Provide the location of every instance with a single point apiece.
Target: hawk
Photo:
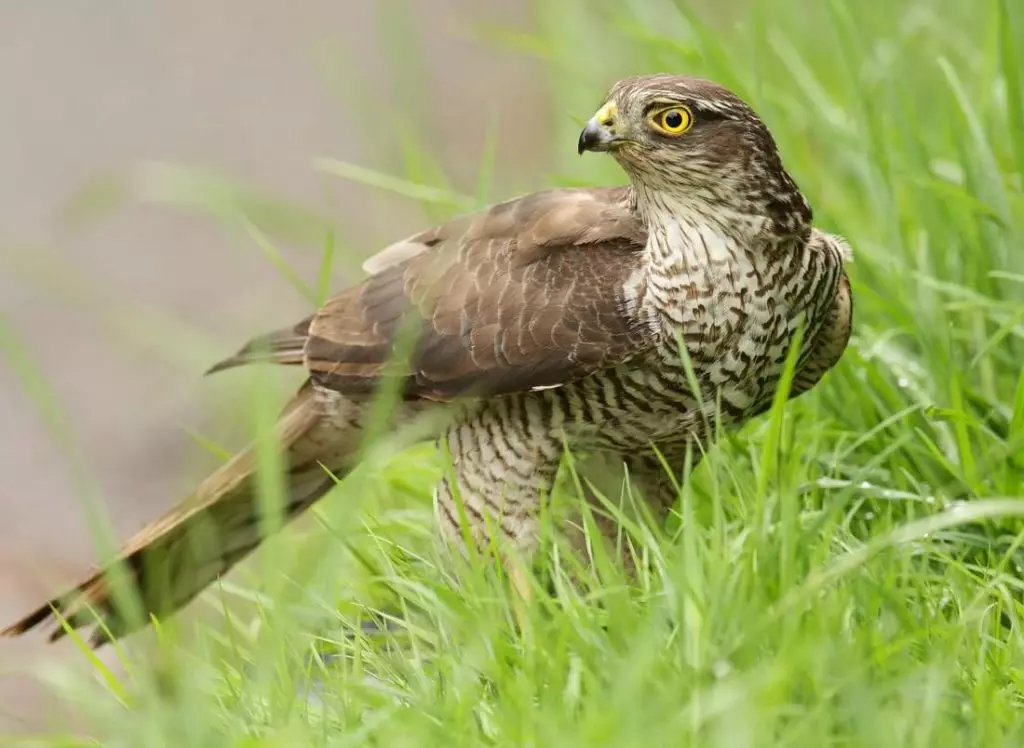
(558, 318)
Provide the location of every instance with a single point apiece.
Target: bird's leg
(653, 488)
(658, 476)
(504, 462)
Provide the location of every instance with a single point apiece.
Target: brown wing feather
(285, 346)
(525, 295)
(831, 341)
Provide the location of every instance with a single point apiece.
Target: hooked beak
(600, 133)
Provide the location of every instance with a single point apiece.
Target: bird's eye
(674, 121)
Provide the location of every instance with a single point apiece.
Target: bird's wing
(823, 351)
(284, 346)
(527, 294)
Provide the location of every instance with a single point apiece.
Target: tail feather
(175, 557)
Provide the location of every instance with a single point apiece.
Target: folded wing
(525, 295)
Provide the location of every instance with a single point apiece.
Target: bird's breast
(729, 319)
(724, 317)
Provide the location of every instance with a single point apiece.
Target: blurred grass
(856, 584)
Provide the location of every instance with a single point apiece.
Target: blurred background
(173, 174)
(121, 313)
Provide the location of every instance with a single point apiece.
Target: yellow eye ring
(674, 120)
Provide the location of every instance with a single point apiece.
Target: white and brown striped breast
(735, 309)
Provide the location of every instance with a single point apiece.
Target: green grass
(844, 571)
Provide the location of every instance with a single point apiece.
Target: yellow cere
(606, 114)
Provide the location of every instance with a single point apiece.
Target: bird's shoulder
(529, 226)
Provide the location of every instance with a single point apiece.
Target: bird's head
(691, 141)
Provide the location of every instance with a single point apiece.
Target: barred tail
(177, 556)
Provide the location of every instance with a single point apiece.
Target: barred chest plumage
(732, 307)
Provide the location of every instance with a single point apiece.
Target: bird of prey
(558, 318)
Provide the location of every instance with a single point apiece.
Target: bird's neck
(769, 209)
(754, 220)
(688, 232)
